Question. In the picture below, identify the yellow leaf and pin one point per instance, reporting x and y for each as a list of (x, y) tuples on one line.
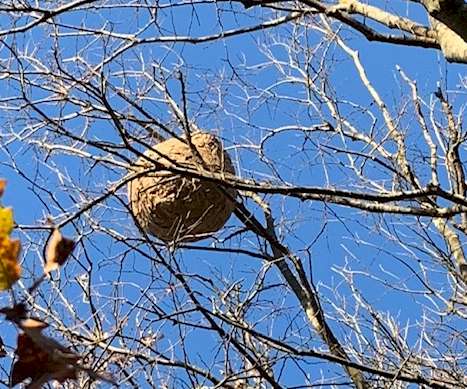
[(6, 222), (10, 270)]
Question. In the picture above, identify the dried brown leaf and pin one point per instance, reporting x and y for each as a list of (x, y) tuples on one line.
[(58, 250), (2, 186), (43, 359), (2, 349), (32, 324), (38, 363), (15, 313)]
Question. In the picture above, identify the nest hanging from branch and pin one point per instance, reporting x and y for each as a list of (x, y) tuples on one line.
[(177, 207)]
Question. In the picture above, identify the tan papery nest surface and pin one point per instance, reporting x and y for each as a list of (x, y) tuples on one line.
[(174, 207)]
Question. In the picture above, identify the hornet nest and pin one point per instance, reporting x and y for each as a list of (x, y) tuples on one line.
[(179, 207)]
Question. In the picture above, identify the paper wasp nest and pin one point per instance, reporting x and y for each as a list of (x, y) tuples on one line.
[(176, 207)]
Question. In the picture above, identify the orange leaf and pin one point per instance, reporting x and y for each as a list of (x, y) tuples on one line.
[(2, 186), (10, 270), (58, 251)]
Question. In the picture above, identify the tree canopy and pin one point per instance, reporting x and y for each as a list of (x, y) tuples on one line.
[(343, 263)]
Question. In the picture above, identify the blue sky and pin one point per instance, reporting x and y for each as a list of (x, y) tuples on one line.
[(325, 237)]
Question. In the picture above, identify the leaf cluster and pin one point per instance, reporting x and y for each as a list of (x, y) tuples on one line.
[(38, 357)]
